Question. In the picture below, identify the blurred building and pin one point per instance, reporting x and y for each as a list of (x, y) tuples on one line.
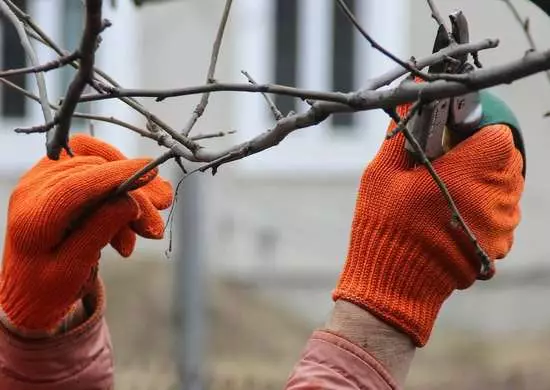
[(281, 218), (277, 224)]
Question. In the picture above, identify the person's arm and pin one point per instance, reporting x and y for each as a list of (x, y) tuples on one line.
[(78, 357), (355, 350), (406, 256), (61, 214)]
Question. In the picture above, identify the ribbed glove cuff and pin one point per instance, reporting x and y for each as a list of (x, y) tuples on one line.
[(391, 274)]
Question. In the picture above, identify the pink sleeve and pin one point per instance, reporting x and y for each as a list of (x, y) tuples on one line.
[(332, 362), (78, 360)]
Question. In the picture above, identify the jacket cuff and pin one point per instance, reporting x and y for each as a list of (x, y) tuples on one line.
[(61, 359), (330, 361)]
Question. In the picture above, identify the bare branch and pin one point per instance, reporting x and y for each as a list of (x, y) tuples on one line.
[(407, 92), (277, 114), (88, 43), (161, 95), (127, 185), (199, 110), (134, 104), (212, 135), (407, 65), (445, 54), (98, 118), (436, 15), (58, 63), (404, 121), (91, 128), (37, 129), (29, 51), (486, 263), (525, 26), (367, 99), (197, 113), (507, 73)]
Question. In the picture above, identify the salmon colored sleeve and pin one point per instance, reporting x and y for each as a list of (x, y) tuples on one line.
[(78, 360), (331, 362)]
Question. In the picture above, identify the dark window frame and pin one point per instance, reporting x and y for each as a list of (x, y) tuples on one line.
[(13, 104), (344, 59), (286, 50), (343, 72), (72, 16)]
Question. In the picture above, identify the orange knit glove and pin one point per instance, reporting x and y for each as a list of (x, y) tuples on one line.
[(47, 270), (405, 256)]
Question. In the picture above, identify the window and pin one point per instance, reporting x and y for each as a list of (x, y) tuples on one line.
[(343, 59), (310, 44), (13, 103), (286, 54), (286, 46), (73, 23)]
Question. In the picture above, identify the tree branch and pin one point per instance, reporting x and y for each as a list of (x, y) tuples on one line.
[(436, 15), (367, 99), (127, 185), (161, 95), (486, 263), (212, 135), (277, 114), (88, 43), (31, 55), (99, 118), (404, 121), (445, 54), (525, 26), (134, 104), (199, 110), (407, 65), (58, 63)]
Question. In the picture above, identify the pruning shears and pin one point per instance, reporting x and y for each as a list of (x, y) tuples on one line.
[(441, 124)]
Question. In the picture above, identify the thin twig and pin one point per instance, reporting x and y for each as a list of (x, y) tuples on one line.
[(134, 104), (98, 118), (337, 97), (367, 99), (436, 15), (29, 51), (92, 28), (525, 26), (58, 63), (179, 162), (486, 263), (443, 55), (389, 98), (277, 114), (91, 128), (408, 66), (403, 122), (127, 185), (163, 94), (199, 109), (212, 135), (36, 129)]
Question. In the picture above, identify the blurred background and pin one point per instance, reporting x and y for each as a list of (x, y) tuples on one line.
[(257, 249)]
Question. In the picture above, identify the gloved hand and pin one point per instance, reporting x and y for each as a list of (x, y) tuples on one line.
[(53, 242), (405, 255)]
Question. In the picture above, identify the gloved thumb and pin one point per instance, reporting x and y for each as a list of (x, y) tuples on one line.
[(488, 150)]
